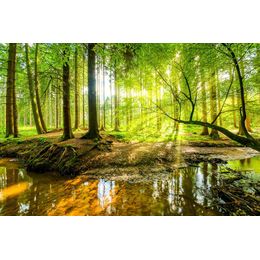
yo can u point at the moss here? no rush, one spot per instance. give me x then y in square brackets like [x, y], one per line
[40, 155]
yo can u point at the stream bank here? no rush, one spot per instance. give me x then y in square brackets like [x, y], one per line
[80, 156]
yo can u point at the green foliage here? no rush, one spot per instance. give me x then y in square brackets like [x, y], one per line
[154, 80]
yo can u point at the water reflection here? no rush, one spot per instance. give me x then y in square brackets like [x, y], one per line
[184, 192]
[248, 164]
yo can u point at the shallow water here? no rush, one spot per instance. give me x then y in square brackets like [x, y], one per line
[186, 191]
[250, 166]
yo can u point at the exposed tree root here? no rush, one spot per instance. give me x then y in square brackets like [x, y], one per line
[42, 156]
[54, 157]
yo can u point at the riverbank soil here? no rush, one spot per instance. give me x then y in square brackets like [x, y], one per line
[75, 156]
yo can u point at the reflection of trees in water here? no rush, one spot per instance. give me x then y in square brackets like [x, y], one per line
[205, 181]
[189, 191]
[78, 199]
[3, 178]
[174, 195]
[248, 160]
[40, 198]
[178, 193]
[10, 205]
[245, 161]
[214, 175]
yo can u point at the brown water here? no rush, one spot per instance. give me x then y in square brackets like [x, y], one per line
[183, 192]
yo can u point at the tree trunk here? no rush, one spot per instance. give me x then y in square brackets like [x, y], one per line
[98, 91]
[93, 131]
[219, 101]
[32, 94]
[240, 129]
[111, 99]
[36, 84]
[67, 131]
[248, 118]
[76, 91]
[50, 110]
[233, 94]
[213, 103]
[83, 90]
[104, 98]
[205, 130]
[15, 113]
[242, 109]
[57, 106]
[9, 90]
[116, 105]
[158, 103]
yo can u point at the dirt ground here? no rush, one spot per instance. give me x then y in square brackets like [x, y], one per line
[110, 155]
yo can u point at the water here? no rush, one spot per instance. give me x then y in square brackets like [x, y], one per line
[183, 192]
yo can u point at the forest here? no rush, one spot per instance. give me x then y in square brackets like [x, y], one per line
[134, 120]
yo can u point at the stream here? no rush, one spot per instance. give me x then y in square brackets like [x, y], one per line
[186, 191]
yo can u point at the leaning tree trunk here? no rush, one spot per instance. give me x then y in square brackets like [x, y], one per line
[240, 129]
[243, 113]
[32, 95]
[93, 131]
[248, 119]
[233, 94]
[36, 85]
[9, 89]
[67, 131]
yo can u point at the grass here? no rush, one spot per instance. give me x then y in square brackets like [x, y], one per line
[24, 132]
[186, 133]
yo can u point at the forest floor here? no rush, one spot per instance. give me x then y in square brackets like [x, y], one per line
[48, 153]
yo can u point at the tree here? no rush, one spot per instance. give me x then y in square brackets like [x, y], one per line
[213, 103]
[116, 104]
[76, 90]
[36, 116]
[248, 140]
[93, 131]
[36, 86]
[205, 130]
[11, 109]
[67, 131]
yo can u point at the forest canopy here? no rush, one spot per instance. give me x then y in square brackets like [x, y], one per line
[131, 88]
